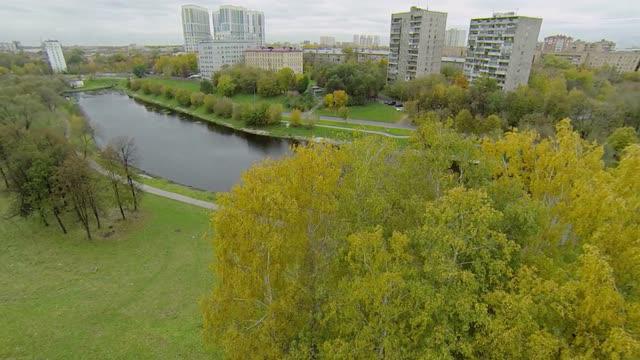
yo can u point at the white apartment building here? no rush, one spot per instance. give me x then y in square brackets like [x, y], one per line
[214, 54]
[416, 42]
[52, 50]
[273, 59]
[366, 41]
[11, 46]
[327, 41]
[502, 47]
[238, 23]
[455, 38]
[195, 26]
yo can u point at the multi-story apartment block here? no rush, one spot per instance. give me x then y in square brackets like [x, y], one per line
[622, 61]
[502, 47]
[366, 41]
[455, 38]
[195, 26]
[274, 59]
[52, 51]
[214, 54]
[417, 38]
[238, 23]
[557, 43]
[11, 46]
[327, 41]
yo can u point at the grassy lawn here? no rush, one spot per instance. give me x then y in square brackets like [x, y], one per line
[373, 111]
[249, 99]
[402, 132]
[180, 189]
[132, 292]
[192, 85]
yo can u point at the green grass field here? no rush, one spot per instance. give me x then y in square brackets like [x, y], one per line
[167, 185]
[131, 293]
[373, 111]
[192, 85]
[99, 84]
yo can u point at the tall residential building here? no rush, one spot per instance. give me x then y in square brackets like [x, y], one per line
[274, 59]
[502, 47]
[12, 46]
[366, 41]
[327, 41]
[52, 50]
[195, 26]
[557, 43]
[213, 54]
[455, 38]
[238, 23]
[417, 38]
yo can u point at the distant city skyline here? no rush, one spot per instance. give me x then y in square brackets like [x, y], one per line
[157, 22]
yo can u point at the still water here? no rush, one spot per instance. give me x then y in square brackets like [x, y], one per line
[177, 147]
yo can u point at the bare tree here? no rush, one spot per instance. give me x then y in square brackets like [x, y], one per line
[112, 165]
[127, 152]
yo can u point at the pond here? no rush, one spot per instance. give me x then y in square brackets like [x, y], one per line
[178, 147]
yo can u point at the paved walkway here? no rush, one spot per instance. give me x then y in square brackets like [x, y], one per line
[365, 122]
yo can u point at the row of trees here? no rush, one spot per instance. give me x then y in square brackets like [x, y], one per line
[249, 80]
[517, 247]
[361, 81]
[259, 114]
[43, 171]
[598, 101]
[176, 65]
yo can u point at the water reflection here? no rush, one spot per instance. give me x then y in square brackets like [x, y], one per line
[178, 147]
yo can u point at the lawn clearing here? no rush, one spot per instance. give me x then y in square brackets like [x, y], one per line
[374, 111]
[130, 293]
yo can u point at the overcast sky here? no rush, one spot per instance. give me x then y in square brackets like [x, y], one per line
[119, 22]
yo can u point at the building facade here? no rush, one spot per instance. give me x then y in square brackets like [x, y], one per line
[416, 42]
[274, 59]
[366, 41]
[622, 61]
[238, 23]
[502, 47]
[214, 54]
[11, 46]
[52, 51]
[327, 41]
[195, 26]
[455, 38]
[557, 43]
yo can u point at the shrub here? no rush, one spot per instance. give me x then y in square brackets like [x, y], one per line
[156, 89]
[252, 115]
[223, 107]
[274, 114]
[268, 85]
[206, 86]
[238, 112]
[343, 112]
[311, 120]
[302, 102]
[169, 92]
[134, 85]
[184, 97]
[209, 102]
[295, 119]
[146, 87]
[197, 98]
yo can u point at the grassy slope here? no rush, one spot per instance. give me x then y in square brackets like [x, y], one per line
[98, 84]
[133, 294]
[373, 111]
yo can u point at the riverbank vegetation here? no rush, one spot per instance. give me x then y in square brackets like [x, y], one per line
[452, 247]
[50, 177]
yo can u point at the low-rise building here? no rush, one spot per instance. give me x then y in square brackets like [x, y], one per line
[274, 59]
[454, 51]
[337, 56]
[52, 51]
[214, 54]
[455, 62]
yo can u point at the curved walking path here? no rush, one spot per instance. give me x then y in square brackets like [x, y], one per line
[364, 122]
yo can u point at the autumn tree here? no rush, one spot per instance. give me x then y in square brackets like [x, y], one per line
[127, 154]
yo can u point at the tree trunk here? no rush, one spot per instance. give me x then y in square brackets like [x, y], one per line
[43, 217]
[4, 177]
[92, 202]
[133, 193]
[56, 213]
[117, 193]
